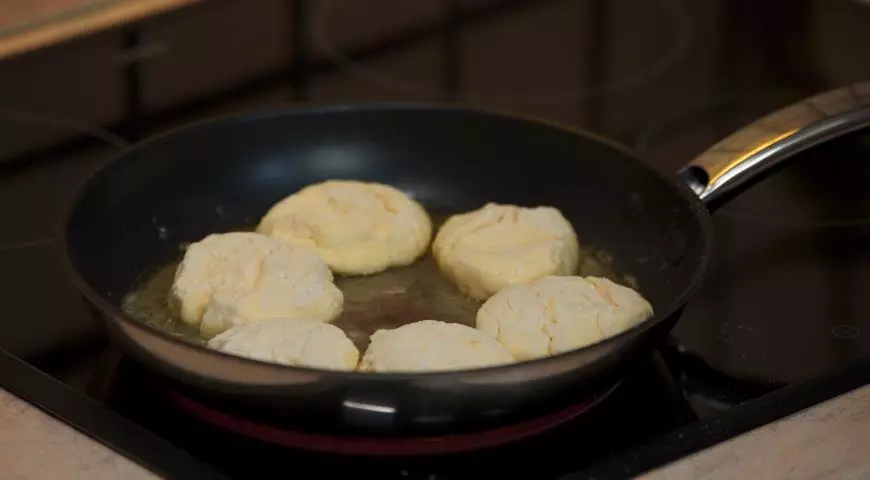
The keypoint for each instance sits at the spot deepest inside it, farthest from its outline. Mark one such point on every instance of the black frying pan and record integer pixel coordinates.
(224, 174)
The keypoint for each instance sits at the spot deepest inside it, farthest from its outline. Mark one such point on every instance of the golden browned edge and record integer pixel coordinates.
(102, 18)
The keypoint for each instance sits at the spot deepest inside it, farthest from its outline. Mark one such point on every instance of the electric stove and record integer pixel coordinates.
(781, 323)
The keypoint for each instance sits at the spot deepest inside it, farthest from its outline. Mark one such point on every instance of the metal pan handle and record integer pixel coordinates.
(748, 153)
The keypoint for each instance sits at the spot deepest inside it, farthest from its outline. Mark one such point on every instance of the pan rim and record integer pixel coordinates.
(112, 312)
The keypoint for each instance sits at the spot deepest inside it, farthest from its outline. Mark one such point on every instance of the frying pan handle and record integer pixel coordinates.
(749, 153)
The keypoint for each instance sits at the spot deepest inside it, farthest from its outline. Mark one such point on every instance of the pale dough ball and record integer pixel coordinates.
(485, 250)
(432, 345)
(359, 228)
(556, 314)
(234, 278)
(290, 341)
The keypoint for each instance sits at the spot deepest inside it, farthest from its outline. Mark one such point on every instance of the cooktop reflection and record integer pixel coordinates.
(783, 300)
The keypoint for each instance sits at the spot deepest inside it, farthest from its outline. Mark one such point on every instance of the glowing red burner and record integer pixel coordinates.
(385, 446)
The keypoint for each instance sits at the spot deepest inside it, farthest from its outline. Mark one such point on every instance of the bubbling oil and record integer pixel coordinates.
(385, 300)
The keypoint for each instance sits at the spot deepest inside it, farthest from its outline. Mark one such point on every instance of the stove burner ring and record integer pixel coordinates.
(676, 14)
(435, 445)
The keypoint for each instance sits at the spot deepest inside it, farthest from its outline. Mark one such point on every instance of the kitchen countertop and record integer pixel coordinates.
(27, 25)
(35, 445)
(826, 441)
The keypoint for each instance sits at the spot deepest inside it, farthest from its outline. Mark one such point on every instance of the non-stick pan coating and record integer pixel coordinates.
(223, 175)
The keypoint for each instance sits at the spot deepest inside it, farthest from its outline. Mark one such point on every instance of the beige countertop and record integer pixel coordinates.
(34, 445)
(829, 440)
(27, 25)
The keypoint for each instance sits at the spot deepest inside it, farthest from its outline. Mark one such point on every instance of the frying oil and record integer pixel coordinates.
(384, 300)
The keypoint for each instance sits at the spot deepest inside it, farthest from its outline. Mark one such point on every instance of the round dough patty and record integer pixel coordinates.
(484, 250)
(229, 279)
(290, 341)
(432, 345)
(359, 228)
(556, 314)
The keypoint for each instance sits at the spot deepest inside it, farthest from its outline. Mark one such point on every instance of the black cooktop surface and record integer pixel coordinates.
(590, 438)
(781, 322)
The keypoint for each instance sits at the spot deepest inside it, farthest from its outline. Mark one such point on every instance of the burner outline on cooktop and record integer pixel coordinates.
(682, 37)
(53, 121)
(776, 98)
(659, 125)
(59, 122)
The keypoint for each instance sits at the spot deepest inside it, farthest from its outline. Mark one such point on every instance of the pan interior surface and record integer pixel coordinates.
(635, 225)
